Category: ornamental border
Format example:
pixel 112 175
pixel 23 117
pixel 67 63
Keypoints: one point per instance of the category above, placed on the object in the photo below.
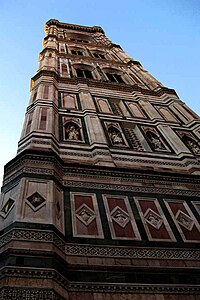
pixel 98 251
pixel 90 286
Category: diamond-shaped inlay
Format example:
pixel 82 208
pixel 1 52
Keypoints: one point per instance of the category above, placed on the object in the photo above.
pixel 6 208
pixel 58 209
pixel 153 218
pixel 184 220
pixel 85 214
pixel 36 200
pixel 120 216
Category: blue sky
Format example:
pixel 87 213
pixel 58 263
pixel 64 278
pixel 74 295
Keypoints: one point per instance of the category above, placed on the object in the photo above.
pixel 162 35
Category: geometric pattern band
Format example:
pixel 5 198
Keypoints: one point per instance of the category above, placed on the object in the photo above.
pixel 16 293
pixel 47 236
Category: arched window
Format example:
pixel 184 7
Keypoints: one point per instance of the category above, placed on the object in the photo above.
pixel 84 73
pixel 114 77
pixel 77 52
pixel 99 55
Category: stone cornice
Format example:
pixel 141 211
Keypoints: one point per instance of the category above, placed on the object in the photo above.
pixel 91 29
pixel 50 157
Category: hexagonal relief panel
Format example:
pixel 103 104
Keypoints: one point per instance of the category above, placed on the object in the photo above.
pixel 85 214
pixel 152 218
pixel 35 201
pixel 120 216
pixel 184 220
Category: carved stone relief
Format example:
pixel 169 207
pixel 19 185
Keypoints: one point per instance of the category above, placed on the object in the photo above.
pixel 115 134
pixel 73 130
pixel 85 214
pixel 154 139
pixel 189 140
pixel 184 220
pixel 153 218
pixel 35 201
pixel 120 216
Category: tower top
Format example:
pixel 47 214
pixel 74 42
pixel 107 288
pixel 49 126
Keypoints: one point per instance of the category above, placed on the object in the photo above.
pixel 91 29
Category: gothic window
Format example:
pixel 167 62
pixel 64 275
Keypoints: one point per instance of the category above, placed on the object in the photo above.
pixel 84 73
pixel 76 52
pixel 99 55
pixel 72 131
pixel 114 77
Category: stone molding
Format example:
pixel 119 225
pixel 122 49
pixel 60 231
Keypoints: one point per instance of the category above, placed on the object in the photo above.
pixel 48 236
pixel 91 29
pixel 15 293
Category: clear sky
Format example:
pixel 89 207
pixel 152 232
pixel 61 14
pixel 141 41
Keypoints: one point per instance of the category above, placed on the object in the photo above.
pixel 162 34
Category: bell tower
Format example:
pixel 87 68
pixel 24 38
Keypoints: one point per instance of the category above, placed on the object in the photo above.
pixel 102 199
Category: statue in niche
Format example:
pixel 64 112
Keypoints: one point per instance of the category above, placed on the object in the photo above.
pixel 193 145
pixel 115 136
pixel 73 132
pixel 155 141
